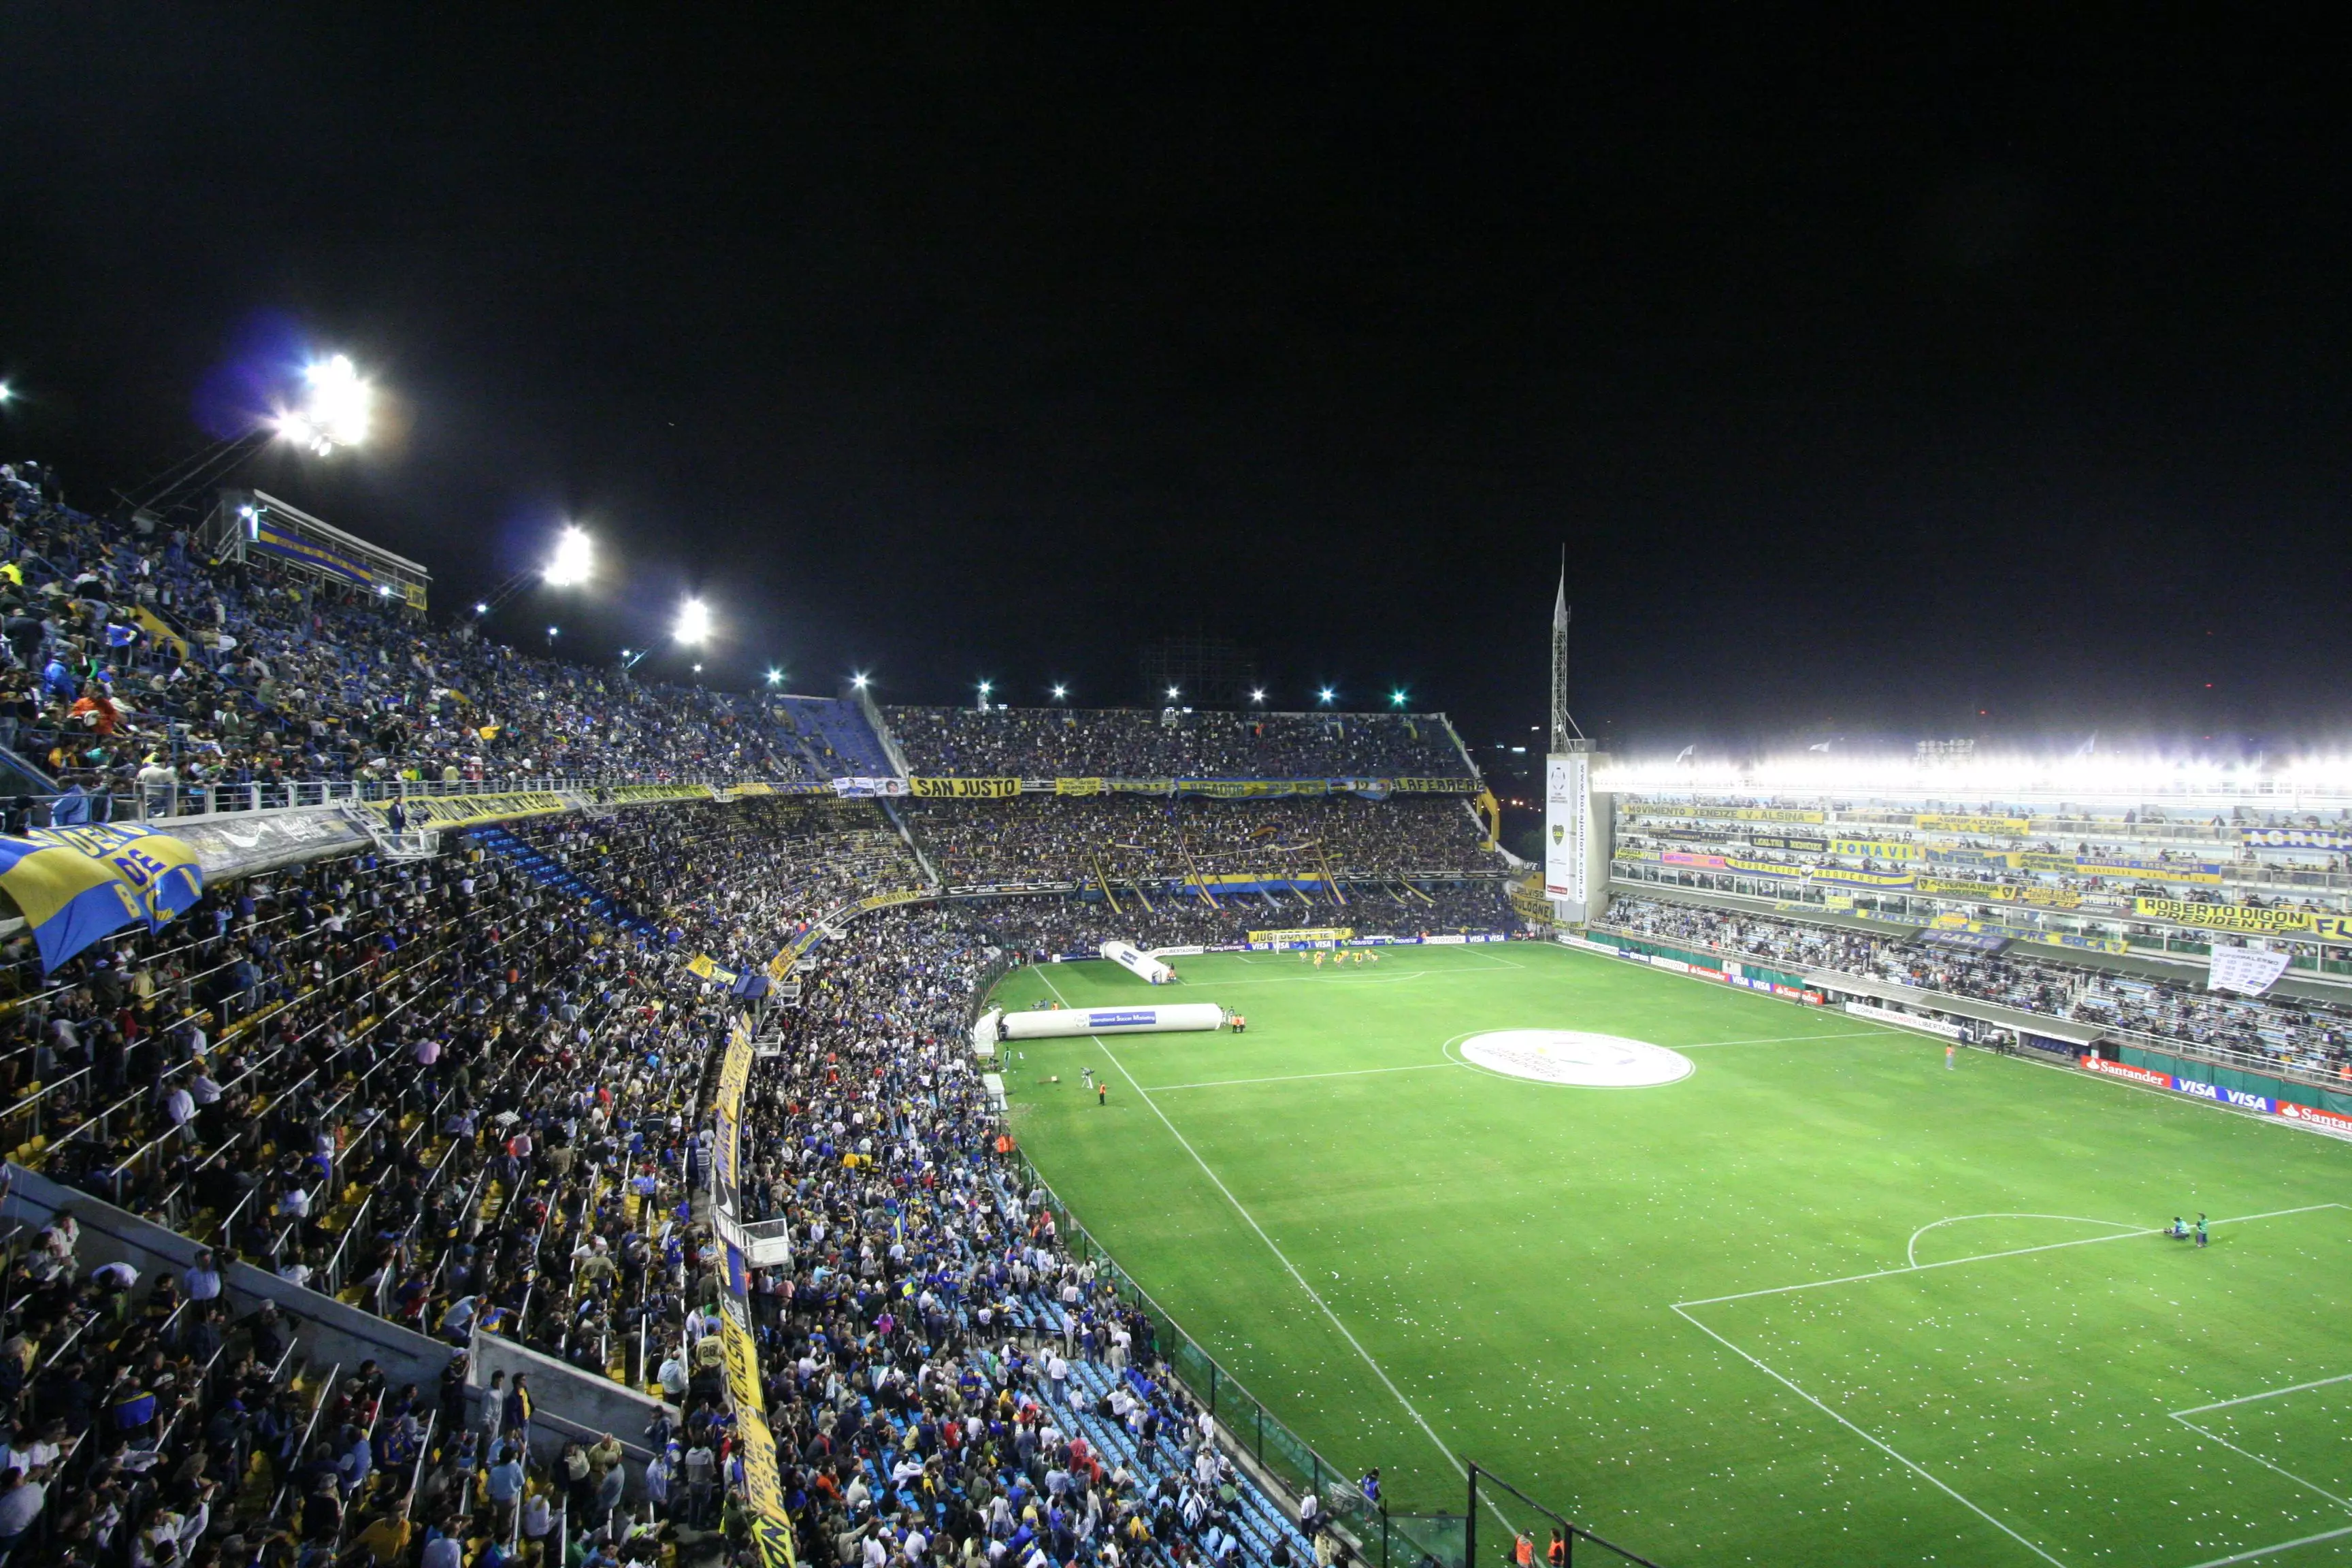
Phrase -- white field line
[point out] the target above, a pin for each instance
(1883, 1447)
(1982, 1257)
(2266, 1393)
(2277, 1469)
(1292, 1269)
(2261, 1551)
(1911, 1251)
(1678, 1309)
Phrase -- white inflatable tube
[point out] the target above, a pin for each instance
(1046, 1025)
(1137, 961)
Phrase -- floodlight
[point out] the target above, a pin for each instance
(481, 609)
(552, 631)
(1396, 699)
(986, 687)
(858, 681)
(574, 558)
(1174, 694)
(693, 624)
(1325, 695)
(1060, 692)
(337, 410)
(6, 392)
(775, 677)
(697, 670)
(383, 590)
(1257, 694)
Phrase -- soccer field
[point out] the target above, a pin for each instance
(1820, 1301)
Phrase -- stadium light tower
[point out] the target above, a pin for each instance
(337, 410)
(575, 557)
(1257, 696)
(858, 679)
(693, 624)
(7, 393)
(1061, 693)
(1174, 694)
(775, 677)
(572, 565)
(1396, 697)
(985, 687)
(1324, 696)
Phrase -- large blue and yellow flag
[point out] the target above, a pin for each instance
(74, 885)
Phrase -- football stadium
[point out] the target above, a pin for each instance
(820, 793)
(521, 1081)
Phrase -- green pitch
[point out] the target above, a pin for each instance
(1821, 1302)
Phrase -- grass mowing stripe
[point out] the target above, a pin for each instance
(1296, 1077)
(1504, 1255)
(1915, 1468)
(1312, 1294)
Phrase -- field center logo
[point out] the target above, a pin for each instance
(1574, 1056)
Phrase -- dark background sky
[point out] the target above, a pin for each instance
(1882, 377)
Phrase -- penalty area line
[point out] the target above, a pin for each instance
(1883, 1447)
(2261, 1551)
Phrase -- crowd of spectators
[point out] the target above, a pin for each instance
(1045, 927)
(2291, 1031)
(1139, 743)
(787, 861)
(1156, 839)
(459, 1097)
(948, 1384)
(123, 648)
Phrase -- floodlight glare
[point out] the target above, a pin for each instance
(1396, 699)
(574, 558)
(986, 687)
(697, 670)
(1060, 692)
(1174, 694)
(551, 631)
(693, 622)
(337, 413)
(858, 681)
(775, 677)
(1325, 695)
(6, 392)
(1257, 694)
(481, 609)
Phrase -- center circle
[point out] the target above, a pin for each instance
(1574, 1056)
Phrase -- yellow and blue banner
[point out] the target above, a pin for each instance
(75, 885)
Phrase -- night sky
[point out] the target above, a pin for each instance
(1971, 378)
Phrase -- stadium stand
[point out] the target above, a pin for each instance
(467, 1092)
(1128, 838)
(1119, 743)
(2312, 1037)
